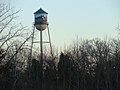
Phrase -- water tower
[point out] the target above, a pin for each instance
(41, 24)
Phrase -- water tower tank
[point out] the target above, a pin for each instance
(40, 19)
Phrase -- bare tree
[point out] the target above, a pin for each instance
(11, 32)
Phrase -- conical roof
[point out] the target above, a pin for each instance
(40, 11)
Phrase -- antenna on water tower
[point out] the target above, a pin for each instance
(41, 24)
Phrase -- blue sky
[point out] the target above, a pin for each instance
(67, 19)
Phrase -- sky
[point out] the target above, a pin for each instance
(68, 19)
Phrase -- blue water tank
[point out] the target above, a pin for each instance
(40, 19)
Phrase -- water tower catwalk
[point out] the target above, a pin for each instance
(41, 24)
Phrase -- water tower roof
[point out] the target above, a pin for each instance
(40, 11)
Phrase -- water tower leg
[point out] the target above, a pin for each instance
(50, 41)
(41, 49)
(41, 59)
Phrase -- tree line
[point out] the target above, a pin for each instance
(88, 65)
